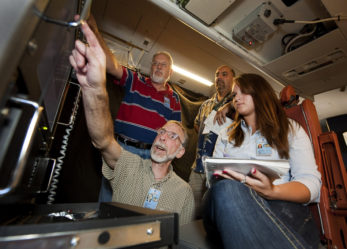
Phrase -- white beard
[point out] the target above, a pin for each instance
(165, 158)
(158, 79)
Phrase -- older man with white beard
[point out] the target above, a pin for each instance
(149, 183)
(152, 183)
(147, 105)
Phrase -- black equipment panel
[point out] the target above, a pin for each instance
(86, 225)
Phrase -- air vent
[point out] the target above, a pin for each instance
(330, 59)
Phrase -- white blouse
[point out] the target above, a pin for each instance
(303, 166)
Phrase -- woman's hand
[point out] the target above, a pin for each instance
(256, 180)
(290, 191)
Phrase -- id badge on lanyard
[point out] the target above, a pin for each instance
(166, 102)
(152, 198)
(263, 148)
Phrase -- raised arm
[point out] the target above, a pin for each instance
(90, 64)
(112, 65)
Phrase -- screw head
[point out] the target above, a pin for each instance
(74, 241)
(150, 231)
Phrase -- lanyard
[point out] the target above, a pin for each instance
(227, 98)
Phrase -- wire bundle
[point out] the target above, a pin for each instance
(310, 31)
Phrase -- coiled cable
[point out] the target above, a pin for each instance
(60, 160)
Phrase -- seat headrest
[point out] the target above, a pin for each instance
(288, 96)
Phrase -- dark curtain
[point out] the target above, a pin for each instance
(190, 104)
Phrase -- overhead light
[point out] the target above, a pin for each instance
(191, 75)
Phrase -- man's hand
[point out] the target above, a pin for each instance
(221, 114)
(92, 24)
(112, 65)
(89, 61)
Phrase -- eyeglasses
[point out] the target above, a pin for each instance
(157, 64)
(171, 135)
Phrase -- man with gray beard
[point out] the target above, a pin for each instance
(149, 183)
(148, 103)
(152, 183)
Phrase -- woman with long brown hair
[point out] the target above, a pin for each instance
(253, 211)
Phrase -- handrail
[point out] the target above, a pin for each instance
(24, 151)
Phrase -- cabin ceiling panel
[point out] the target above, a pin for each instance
(269, 56)
(321, 62)
(128, 21)
(148, 26)
(131, 23)
(335, 8)
(271, 48)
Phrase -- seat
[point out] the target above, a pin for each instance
(288, 97)
(331, 212)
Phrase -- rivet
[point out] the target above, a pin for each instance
(32, 47)
(74, 241)
(149, 231)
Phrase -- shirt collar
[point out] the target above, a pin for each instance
(168, 90)
(215, 99)
(165, 178)
(247, 129)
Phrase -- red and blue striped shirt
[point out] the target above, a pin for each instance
(144, 109)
